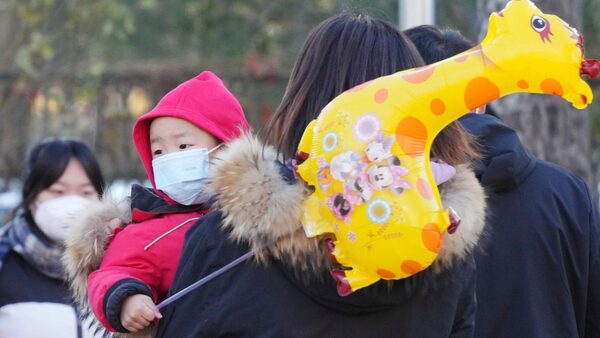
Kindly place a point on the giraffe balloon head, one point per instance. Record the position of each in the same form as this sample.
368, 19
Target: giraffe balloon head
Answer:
555, 51
367, 155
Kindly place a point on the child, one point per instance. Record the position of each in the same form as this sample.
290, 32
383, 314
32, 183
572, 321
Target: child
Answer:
174, 141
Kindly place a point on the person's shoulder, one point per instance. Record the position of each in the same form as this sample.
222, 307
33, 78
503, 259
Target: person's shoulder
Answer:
561, 177
558, 186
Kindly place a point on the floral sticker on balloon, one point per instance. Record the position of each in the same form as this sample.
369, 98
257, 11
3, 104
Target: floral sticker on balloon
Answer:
379, 211
330, 142
367, 127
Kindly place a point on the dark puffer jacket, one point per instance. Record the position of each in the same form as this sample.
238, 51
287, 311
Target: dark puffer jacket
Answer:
539, 275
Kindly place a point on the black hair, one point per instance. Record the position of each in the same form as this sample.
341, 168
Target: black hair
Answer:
435, 44
47, 161
338, 54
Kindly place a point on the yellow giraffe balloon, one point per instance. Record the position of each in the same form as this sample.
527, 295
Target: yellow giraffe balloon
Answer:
368, 151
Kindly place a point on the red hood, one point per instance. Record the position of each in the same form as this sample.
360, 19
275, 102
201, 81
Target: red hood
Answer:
203, 101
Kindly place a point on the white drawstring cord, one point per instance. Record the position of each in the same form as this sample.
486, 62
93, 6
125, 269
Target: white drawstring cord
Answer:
170, 231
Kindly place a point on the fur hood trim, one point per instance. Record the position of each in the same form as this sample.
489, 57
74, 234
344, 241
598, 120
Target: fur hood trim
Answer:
260, 206
85, 245
466, 196
263, 208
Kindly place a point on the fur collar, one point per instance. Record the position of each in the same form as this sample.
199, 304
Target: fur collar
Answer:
260, 207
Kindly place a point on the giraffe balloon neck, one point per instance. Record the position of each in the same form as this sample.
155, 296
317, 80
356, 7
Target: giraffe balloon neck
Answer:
590, 68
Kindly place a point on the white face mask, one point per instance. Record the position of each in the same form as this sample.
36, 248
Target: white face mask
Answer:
182, 175
55, 216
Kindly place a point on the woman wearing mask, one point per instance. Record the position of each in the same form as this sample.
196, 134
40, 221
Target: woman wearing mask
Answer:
288, 291
63, 176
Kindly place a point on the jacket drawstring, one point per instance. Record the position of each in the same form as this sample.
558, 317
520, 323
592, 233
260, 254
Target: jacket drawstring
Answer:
170, 231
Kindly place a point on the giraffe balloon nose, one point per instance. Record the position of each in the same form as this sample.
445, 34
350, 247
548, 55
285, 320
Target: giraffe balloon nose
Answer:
367, 155
590, 68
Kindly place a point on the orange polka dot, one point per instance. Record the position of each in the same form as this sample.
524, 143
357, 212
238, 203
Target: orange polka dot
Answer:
432, 237
424, 189
480, 91
359, 87
438, 107
386, 274
418, 75
551, 86
381, 96
461, 58
411, 135
523, 84
411, 267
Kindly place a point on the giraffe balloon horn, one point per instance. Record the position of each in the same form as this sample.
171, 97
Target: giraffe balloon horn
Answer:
368, 153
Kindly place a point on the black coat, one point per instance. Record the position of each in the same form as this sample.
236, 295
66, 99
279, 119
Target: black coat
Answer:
278, 300
539, 275
252, 301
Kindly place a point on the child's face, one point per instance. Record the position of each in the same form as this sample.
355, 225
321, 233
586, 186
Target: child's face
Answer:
170, 134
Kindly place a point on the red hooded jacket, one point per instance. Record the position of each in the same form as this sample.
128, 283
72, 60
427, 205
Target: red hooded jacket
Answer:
142, 257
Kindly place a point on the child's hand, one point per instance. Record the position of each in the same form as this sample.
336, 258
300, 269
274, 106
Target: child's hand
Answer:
137, 312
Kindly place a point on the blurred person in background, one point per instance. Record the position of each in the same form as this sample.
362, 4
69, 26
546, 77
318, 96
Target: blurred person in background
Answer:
538, 274
62, 177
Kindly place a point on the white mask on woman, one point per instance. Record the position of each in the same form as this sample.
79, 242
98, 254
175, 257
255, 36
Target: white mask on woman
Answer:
55, 216
182, 175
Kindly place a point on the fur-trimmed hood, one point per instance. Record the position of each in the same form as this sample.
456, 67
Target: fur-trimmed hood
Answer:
261, 204
87, 239
85, 245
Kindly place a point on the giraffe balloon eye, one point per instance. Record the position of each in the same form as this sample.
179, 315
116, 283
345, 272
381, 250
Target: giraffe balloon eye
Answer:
542, 26
538, 23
